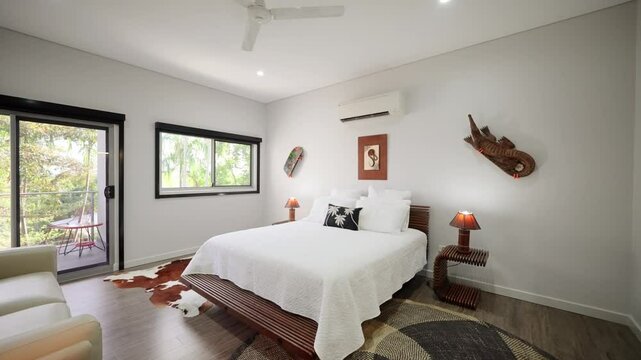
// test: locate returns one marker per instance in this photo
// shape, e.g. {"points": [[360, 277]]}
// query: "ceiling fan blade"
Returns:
{"points": [[245, 3], [251, 32], [307, 12]]}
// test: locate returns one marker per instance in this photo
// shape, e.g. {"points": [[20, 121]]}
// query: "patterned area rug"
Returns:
{"points": [[163, 283], [408, 330]]}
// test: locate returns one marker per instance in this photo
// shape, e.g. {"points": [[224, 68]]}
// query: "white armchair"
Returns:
{"points": [[34, 317]]}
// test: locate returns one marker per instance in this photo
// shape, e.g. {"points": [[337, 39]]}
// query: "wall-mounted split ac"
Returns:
{"points": [[373, 106]]}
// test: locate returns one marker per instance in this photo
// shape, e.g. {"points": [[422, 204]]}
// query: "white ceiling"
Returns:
{"points": [[199, 40]]}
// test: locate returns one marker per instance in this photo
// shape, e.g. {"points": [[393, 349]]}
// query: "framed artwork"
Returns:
{"points": [[372, 157]]}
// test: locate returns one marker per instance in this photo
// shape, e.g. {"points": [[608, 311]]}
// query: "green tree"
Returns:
{"points": [[57, 170], [5, 182], [185, 161], [233, 164]]}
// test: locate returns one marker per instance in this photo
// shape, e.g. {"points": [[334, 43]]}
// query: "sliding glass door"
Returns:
{"points": [[54, 189], [62, 171]]}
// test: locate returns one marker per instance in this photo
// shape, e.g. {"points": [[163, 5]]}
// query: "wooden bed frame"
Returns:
{"points": [[293, 332]]}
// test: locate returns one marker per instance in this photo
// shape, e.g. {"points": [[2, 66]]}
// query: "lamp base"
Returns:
{"points": [[292, 214], [463, 241]]}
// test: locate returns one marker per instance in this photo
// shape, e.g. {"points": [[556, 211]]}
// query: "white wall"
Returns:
{"points": [[154, 229], [635, 295], [564, 93]]}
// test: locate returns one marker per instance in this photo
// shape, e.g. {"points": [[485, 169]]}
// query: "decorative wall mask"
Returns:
{"points": [[372, 157], [502, 153], [292, 160]]}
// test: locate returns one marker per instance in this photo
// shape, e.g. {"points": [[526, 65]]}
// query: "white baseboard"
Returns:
{"points": [[160, 257], [566, 305], [634, 325]]}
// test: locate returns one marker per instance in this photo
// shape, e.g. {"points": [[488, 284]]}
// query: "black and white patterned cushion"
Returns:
{"points": [[342, 217]]}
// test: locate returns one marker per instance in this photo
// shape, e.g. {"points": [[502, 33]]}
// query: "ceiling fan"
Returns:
{"points": [[258, 14]]}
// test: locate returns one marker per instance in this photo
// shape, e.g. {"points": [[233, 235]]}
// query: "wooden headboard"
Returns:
{"points": [[420, 218]]}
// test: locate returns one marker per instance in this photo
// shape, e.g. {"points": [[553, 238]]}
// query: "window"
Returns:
{"points": [[193, 162]]}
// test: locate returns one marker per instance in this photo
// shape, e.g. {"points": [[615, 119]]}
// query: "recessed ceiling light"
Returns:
{"points": [[444, 1], [260, 73]]}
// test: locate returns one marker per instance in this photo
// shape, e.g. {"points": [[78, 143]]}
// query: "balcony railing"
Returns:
{"points": [[39, 209]]}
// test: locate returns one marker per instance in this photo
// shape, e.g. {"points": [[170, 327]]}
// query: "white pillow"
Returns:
{"points": [[386, 216], [319, 209], [347, 193], [406, 224], [389, 194]]}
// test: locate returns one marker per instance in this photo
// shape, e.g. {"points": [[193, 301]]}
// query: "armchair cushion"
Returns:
{"points": [[25, 260], [49, 340], [25, 291], [33, 318], [77, 351]]}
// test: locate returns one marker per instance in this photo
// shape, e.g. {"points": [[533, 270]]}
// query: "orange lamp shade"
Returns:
{"points": [[465, 220], [292, 203]]}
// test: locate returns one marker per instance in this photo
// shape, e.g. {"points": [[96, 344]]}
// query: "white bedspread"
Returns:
{"points": [[337, 277]]}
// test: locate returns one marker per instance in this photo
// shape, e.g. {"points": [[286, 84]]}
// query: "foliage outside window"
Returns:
{"points": [[5, 182], [233, 164], [58, 177], [186, 161], [201, 162]]}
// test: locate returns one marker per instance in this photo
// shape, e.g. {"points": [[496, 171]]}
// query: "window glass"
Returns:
{"points": [[185, 161], [233, 164]]}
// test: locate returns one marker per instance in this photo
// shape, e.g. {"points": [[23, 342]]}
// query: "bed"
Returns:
{"points": [[308, 286]]}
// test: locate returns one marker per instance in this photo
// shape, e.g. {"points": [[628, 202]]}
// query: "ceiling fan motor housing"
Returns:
{"points": [[259, 14]]}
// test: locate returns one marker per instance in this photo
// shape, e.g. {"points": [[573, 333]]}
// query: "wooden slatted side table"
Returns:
{"points": [[457, 294]]}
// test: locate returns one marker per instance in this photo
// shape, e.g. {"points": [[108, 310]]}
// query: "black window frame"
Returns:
{"points": [[214, 136]]}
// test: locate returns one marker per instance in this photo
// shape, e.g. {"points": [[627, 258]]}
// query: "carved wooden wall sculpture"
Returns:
{"points": [[502, 152]]}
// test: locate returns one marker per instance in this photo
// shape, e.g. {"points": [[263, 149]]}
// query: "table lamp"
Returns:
{"points": [[464, 221], [292, 204]]}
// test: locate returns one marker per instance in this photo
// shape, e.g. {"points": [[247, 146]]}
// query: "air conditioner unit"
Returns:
{"points": [[373, 106]]}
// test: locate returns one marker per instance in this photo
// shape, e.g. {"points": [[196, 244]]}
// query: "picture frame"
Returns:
{"points": [[372, 157]]}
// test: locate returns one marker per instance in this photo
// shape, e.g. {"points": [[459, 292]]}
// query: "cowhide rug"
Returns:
{"points": [[162, 281]]}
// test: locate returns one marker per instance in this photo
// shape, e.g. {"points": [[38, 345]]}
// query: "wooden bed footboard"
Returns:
{"points": [[293, 332]]}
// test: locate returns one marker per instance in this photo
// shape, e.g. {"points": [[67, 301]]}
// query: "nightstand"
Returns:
{"points": [[456, 294], [281, 222]]}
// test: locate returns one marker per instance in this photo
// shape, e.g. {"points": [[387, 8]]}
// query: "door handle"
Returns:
{"points": [[110, 192]]}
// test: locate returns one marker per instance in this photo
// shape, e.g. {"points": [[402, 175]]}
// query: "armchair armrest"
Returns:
{"points": [[25, 260], [79, 337]]}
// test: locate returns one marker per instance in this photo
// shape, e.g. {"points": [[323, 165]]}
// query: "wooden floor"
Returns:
{"points": [[134, 329]]}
